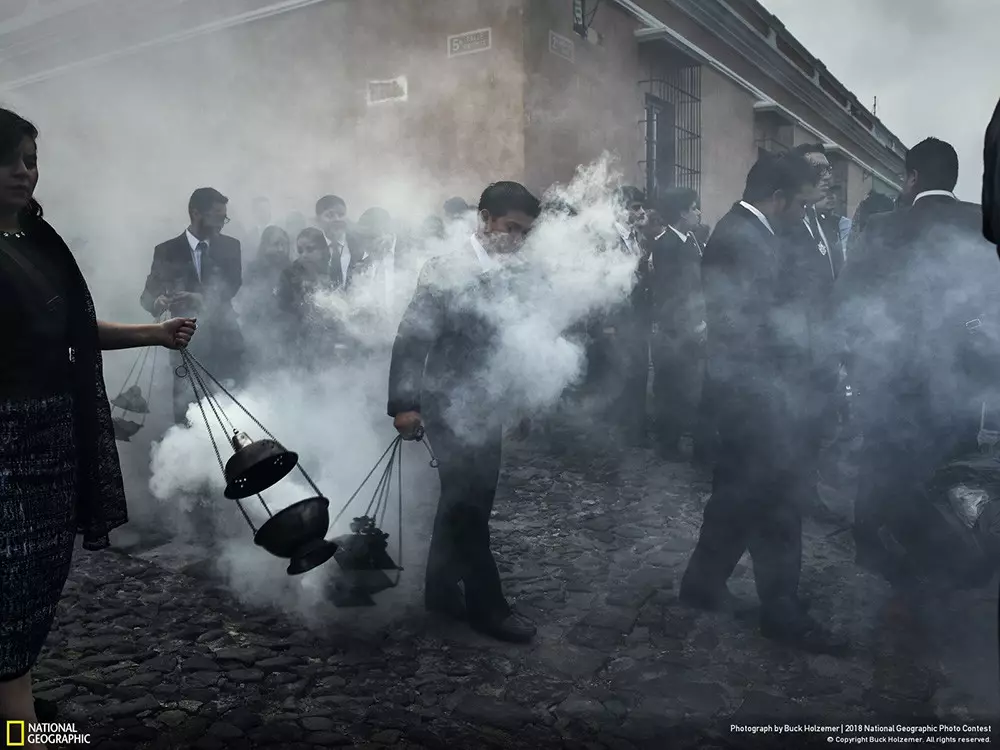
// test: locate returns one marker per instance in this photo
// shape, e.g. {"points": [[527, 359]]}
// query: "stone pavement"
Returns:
{"points": [[591, 548]]}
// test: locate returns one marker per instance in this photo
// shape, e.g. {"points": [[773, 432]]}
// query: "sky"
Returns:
{"points": [[925, 60]]}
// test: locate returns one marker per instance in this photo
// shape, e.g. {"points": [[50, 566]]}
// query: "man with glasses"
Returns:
{"points": [[197, 275]]}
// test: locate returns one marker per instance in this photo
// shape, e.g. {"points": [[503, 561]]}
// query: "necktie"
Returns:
{"points": [[199, 252]]}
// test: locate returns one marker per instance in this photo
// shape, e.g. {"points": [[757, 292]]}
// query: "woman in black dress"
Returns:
{"points": [[59, 471]]}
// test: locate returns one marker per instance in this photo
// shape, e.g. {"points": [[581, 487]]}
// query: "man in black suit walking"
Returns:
{"points": [[440, 362], [197, 275], [916, 303], [678, 318], [753, 504]]}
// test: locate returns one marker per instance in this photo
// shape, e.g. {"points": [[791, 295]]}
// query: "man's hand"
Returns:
{"points": [[176, 333], [162, 304], [190, 300], [408, 424], [701, 332]]}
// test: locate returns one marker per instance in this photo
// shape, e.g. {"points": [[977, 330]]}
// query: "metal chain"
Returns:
{"points": [[231, 397], [365, 480]]}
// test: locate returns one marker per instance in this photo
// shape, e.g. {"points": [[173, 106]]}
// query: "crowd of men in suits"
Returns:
{"points": [[748, 332], [204, 272]]}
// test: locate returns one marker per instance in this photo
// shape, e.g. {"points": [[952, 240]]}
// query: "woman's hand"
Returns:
{"points": [[176, 333]]}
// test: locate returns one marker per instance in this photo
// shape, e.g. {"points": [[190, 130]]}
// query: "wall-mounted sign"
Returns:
{"points": [[469, 42], [380, 92], [561, 46]]}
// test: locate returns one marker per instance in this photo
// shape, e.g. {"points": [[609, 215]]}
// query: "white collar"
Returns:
{"points": [[662, 232], [756, 212], [624, 232], [926, 193], [678, 232], [194, 241], [485, 261]]}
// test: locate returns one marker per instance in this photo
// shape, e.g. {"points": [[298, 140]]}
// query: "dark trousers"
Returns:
{"points": [[753, 507], [619, 373], [677, 374], [460, 545]]}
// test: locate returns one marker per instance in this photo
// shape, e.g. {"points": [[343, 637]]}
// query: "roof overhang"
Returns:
{"points": [[655, 30]]}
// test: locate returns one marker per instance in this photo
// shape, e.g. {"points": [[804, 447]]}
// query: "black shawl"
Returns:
{"points": [[101, 504]]}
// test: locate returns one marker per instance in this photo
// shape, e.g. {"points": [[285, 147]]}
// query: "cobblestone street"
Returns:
{"points": [[591, 549]]}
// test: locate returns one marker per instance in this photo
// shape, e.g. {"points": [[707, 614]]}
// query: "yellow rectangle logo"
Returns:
{"points": [[12, 726]]}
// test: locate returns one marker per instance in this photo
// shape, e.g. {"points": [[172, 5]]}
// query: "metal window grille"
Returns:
{"points": [[672, 122]]}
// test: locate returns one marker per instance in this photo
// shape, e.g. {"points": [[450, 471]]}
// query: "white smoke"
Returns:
{"points": [[335, 417]]}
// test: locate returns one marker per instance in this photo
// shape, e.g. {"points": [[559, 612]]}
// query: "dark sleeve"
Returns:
{"points": [[991, 181], [420, 327], [232, 275], [738, 298], [155, 281], [676, 286], [289, 292]]}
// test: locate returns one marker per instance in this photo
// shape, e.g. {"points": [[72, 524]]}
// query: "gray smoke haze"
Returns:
{"points": [[334, 416], [930, 63]]}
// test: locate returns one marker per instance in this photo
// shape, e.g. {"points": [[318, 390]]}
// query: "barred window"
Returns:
{"points": [[672, 121]]}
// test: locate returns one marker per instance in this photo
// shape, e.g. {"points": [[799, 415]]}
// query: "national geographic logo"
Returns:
{"points": [[21, 733]]}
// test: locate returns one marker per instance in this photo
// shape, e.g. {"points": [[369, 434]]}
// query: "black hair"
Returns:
{"points": [[873, 203], [13, 130], [203, 199], [375, 220], [936, 164], [788, 172], [676, 201], [629, 194], [557, 206], [317, 236], [456, 206], [329, 201], [500, 198]]}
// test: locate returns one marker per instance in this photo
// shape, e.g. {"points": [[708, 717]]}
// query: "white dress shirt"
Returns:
{"points": [[485, 261], [926, 193], [339, 249], [756, 212], [195, 251]]}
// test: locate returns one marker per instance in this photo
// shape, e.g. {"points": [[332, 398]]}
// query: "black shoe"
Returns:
{"points": [[804, 633], [513, 629], [722, 600]]}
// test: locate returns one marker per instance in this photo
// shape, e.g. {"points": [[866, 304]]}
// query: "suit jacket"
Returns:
{"points": [[991, 181], [443, 345], [916, 277], [677, 299], [804, 292], [360, 261], [173, 270], [740, 274]]}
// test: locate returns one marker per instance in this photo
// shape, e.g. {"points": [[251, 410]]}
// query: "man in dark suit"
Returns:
{"points": [[197, 275], [815, 256], [753, 504], [678, 317], [439, 364], [347, 255], [916, 306], [621, 350], [991, 181]]}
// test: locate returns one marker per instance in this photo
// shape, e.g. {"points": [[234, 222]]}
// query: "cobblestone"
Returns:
{"points": [[146, 658]]}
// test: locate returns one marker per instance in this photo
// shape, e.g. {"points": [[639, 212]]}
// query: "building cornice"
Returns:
{"points": [[655, 29], [720, 20]]}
